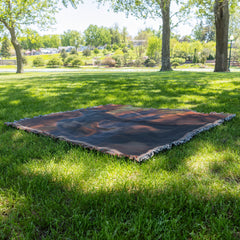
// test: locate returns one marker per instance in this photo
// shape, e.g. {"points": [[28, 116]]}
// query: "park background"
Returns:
{"points": [[95, 36]]}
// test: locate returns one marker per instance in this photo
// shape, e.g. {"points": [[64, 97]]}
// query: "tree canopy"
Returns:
{"points": [[97, 36], [17, 15], [71, 38], [5, 49], [145, 9]]}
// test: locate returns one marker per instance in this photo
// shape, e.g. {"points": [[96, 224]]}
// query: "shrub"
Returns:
{"points": [[109, 61], [109, 48], [126, 59], [178, 60], [115, 46], [125, 50], [131, 46], [86, 52], [74, 51], [203, 59], [68, 60], [63, 54], [119, 60], [96, 50], [118, 52], [150, 62], [138, 62], [54, 62], [76, 62], [175, 64], [38, 62], [24, 60], [97, 62], [105, 52]]}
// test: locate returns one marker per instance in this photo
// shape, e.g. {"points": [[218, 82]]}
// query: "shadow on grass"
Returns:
{"points": [[112, 198], [43, 206]]}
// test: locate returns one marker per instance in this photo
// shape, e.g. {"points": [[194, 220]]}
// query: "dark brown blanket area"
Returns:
{"points": [[123, 130]]}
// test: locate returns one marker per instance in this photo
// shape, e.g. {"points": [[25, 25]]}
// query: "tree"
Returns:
{"points": [[31, 41], [51, 41], [154, 48], [72, 38], [15, 15], [205, 32], [115, 35], [97, 36], [234, 25], [165, 9], [124, 35], [5, 49], [221, 10], [144, 9], [144, 35]]}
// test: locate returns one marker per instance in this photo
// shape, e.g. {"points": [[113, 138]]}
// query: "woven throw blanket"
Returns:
{"points": [[123, 130]]}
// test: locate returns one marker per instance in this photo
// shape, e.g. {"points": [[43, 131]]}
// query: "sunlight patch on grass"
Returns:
{"points": [[51, 189]]}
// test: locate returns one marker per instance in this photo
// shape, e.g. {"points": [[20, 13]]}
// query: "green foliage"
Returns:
{"points": [[115, 47], [5, 49], [105, 51], [192, 50], [31, 40], [54, 62], [124, 35], [234, 25], [68, 60], [115, 35], [138, 62], [74, 51], [205, 33], [73, 61], [145, 35], [178, 60], [77, 62], [51, 41], [109, 47], [150, 62], [71, 38], [118, 52], [17, 14], [38, 62], [97, 36], [96, 50], [63, 54], [154, 48], [109, 62], [86, 52], [97, 62], [125, 50], [175, 64], [24, 60], [119, 60], [126, 59]]}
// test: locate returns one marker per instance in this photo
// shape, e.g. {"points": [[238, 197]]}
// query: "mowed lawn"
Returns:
{"points": [[52, 190]]}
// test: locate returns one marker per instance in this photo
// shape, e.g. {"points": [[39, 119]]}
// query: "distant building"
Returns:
{"points": [[67, 48], [137, 43], [82, 48], [48, 50]]}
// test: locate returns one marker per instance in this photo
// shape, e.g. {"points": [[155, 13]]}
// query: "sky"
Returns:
{"points": [[88, 13]]}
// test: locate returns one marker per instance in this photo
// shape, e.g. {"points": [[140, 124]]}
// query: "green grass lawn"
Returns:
{"points": [[53, 190]]}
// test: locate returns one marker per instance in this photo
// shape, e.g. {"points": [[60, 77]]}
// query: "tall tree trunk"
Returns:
{"points": [[221, 12], [165, 8], [17, 48]]}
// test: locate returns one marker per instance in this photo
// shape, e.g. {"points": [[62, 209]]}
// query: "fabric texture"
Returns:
{"points": [[123, 130]]}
